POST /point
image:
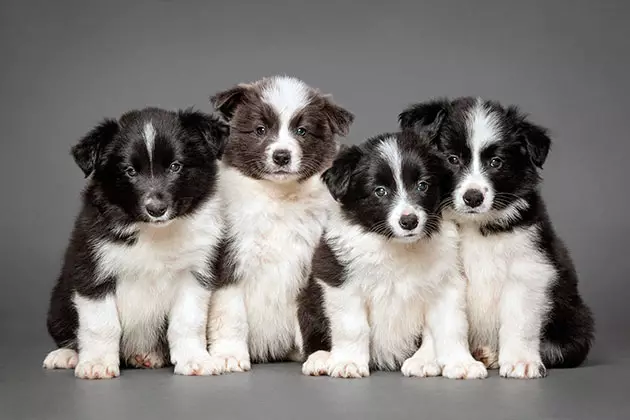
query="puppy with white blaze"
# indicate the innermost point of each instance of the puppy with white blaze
(135, 282)
(386, 291)
(524, 308)
(283, 135)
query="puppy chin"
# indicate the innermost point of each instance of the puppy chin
(158, 222)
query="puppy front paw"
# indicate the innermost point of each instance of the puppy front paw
(316, 364)
(472, 369)
(61, 359)
(151, 360)
(523, 369)
(347, 368)
(202, 365)
(232, 363)
(102, 368)
(420, 368)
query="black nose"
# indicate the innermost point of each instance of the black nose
(281, 157)
(473, 198)
(408, 221)
(156, 208)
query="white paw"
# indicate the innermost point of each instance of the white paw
(151, 360)
(523, 370)
(347, 369)
(61, 359)
(199, 366)
(104, 368)
(233, 363)
(415, 366)
(465, 370)
(316, 364)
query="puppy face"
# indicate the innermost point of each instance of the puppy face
(281, 129)
(493, 152)
(152, 165)
(390, 185)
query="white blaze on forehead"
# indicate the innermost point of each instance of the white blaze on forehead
(286, 95)
(483, 130)
(148, 134)
(389, 151)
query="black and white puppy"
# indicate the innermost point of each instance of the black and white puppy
(136, 276)
(386, 290)
(524, 308)
(282, 137)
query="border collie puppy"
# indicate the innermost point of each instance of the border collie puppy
(135, 281)
(385, 275)
(524, 308)
(282, 137)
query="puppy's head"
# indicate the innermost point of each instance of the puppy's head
(152, 165)
(390, 185)
(494, 152)
(281, 129)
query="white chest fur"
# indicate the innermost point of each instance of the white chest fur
(275, 230)
(149, 273)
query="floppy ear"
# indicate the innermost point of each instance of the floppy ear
(210, 127)
(87, 151)
(340, 119)
(337, 177)
(424, 118)
(225, 102)
(535, 138)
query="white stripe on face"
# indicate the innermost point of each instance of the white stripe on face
(148, 134)
(401, 205)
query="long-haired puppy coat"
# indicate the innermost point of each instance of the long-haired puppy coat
(386, 290)
(524, 308)
(282, 137)
(136, 276)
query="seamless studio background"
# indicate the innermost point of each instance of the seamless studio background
(66, 64)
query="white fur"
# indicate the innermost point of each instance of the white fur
(148, 133)
(61, 359)
(275, 228)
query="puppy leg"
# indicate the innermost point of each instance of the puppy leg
(228, 330)
(98, 337)
(423, 363)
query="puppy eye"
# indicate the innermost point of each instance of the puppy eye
(175, 167)
(422, 186)
(496, 162)
(301, 131)
(453, 160)
(380, 192)
(261, 130)
(131, 172)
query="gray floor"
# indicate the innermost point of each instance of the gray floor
(596, 391)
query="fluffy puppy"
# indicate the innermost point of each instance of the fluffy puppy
(386, 289)
(524, 308)
(136, 275)
(282, 137)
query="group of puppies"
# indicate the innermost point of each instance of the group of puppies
(211, 242)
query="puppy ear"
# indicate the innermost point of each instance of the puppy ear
(211, 128)
(225, 102)
(88, 150)
(337, 177)
(340, 119)
(424, 118)
(535, 138)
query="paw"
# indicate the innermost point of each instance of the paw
(61, 359)
(465, 370)
(415, 366)
(347, 369)
(151, 360)
(199, 366)
(97, 369)
(232, 363)
(316, 364)
(486, 356)
(523, 370)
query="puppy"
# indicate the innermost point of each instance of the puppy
(524, 308)
(282, 137)
(135, 281)
(385, 275)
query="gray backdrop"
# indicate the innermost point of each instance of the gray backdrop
(66, 64)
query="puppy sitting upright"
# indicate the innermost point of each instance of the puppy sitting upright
(524, 308)
(386, 276)
(282, 137)
(136, 276)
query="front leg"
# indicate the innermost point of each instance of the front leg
(98, 337)
(446, 318)
(423, 363)
(228, 329)
(187, 329)
(522, 309)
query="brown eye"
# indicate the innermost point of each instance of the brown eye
(453, 160)
(261, 130)
(496, 162)
(131, 172)
(380, 192)
(175, 167)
